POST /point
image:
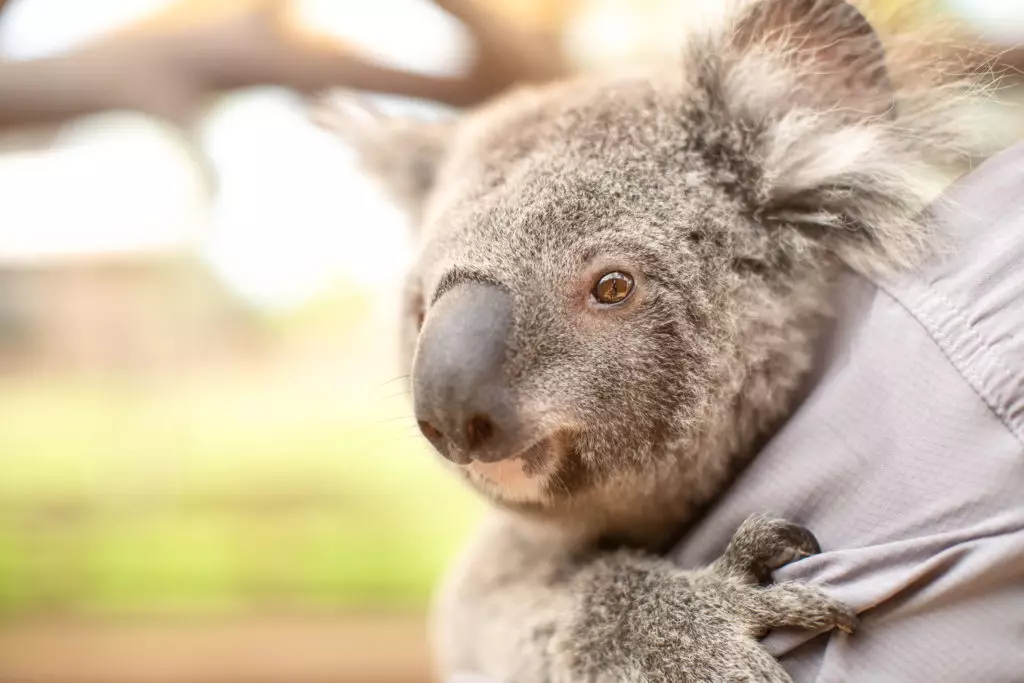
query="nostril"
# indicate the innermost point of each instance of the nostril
(479, 430)
(430, 431)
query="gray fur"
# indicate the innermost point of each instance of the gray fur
(734, 187)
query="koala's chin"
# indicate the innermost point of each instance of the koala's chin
(508, 481)
(530, 480)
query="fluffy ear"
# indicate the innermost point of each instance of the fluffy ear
(846, 144)
(832, 56)
(402, 153)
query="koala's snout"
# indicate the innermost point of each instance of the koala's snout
(462, 403)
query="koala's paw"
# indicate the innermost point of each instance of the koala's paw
(642, 620)
(798, 605)
(762, 544)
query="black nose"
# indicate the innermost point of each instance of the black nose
(459, 390)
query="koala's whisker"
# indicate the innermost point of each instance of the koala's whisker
(559, 483)
(403, 392)
(399, 430)
(406, 438)
(392, 420)
(386, 383)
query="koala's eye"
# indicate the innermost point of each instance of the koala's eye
(613, 288)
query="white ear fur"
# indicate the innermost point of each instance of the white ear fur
(401, 152)
(852, 147)
(833, 56)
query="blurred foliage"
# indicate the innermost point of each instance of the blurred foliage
(211, 496)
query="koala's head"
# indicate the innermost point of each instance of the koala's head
(616, 271)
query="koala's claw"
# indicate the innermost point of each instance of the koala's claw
(848, 622)
(843, 619)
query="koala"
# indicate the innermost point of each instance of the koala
(619, 281)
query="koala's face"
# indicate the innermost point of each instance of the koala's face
(611, 268)
(570, 320)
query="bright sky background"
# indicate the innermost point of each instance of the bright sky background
(293, 214)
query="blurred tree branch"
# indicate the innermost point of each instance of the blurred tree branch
(169, 65)
(172, 63)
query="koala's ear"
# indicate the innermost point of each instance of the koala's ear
(402, 153)
(841, 159)
(819, 54)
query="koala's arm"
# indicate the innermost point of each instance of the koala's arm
(522, 608)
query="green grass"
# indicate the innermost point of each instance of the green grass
(213, 496)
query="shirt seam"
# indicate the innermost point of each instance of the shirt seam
(954, 351)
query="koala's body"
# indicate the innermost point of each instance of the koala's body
(619, 285)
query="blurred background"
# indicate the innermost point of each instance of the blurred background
(209, 471)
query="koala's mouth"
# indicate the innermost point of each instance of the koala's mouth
(524, 476)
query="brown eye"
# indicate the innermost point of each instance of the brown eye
(613, 288)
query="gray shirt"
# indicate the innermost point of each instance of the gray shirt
(906, 459)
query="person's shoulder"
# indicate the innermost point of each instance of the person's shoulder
(971, 300)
